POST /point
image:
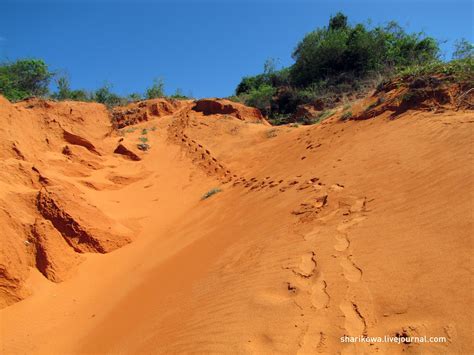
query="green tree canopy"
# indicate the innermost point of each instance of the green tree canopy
(24, 78)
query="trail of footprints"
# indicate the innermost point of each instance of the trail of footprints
(309, 278)
(317, 207)
(204, 159)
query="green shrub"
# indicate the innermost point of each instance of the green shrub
(65, 93)
(323, 115)
(104, 96)
(143, 146)
(336, 61)
(260, 98)
(460, 70)
(135, 97)
(211, 192)
(179, 95)
(357, 50)
(24, 78)
(463, 49)
(156, 90)
(346, 115)
(371, 106)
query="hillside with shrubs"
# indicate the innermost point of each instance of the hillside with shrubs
(341, 62)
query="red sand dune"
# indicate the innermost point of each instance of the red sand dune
(360, 227)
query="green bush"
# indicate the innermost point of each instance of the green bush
(104, 96)
(135, 97)
(463, 49)
(346, 115)
(357, 50)
(24, 78)
(179, 95)
(210, 193)
(335, 61)
(65, 93)
(156, 90)
(261, 98)
(143, 146)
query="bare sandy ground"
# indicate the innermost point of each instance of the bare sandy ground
(358, 228)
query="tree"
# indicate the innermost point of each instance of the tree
(338, 22)
(179, 94)
(64, 90)
(269, 67)
(24, 78)
(156, 90)
(463, 49)
(65, 93)
(341, 50)
(135, 97)
(104, 96)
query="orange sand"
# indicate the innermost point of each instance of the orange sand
(341, 228)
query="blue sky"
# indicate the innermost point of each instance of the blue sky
(201, 46)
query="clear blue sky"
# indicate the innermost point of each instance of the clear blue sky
(203, 47)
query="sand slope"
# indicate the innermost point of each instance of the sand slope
(341, 228)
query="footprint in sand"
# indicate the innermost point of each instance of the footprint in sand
(336, 187)
(307, 265)
(354, 323)
(342, 242)
(275, 297)
(359, 205)
(347, 224)
(313, 341)
(319, 295)
(351, 271)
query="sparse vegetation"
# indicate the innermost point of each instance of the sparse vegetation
(463, 49)
(210, 193)
(156, 90)
(105, 96)
(323, 115)
(458, 70)
(31, 78)
(179, 95)
(65, 93)
(371, 106)
(143, 146)
(346, 115)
